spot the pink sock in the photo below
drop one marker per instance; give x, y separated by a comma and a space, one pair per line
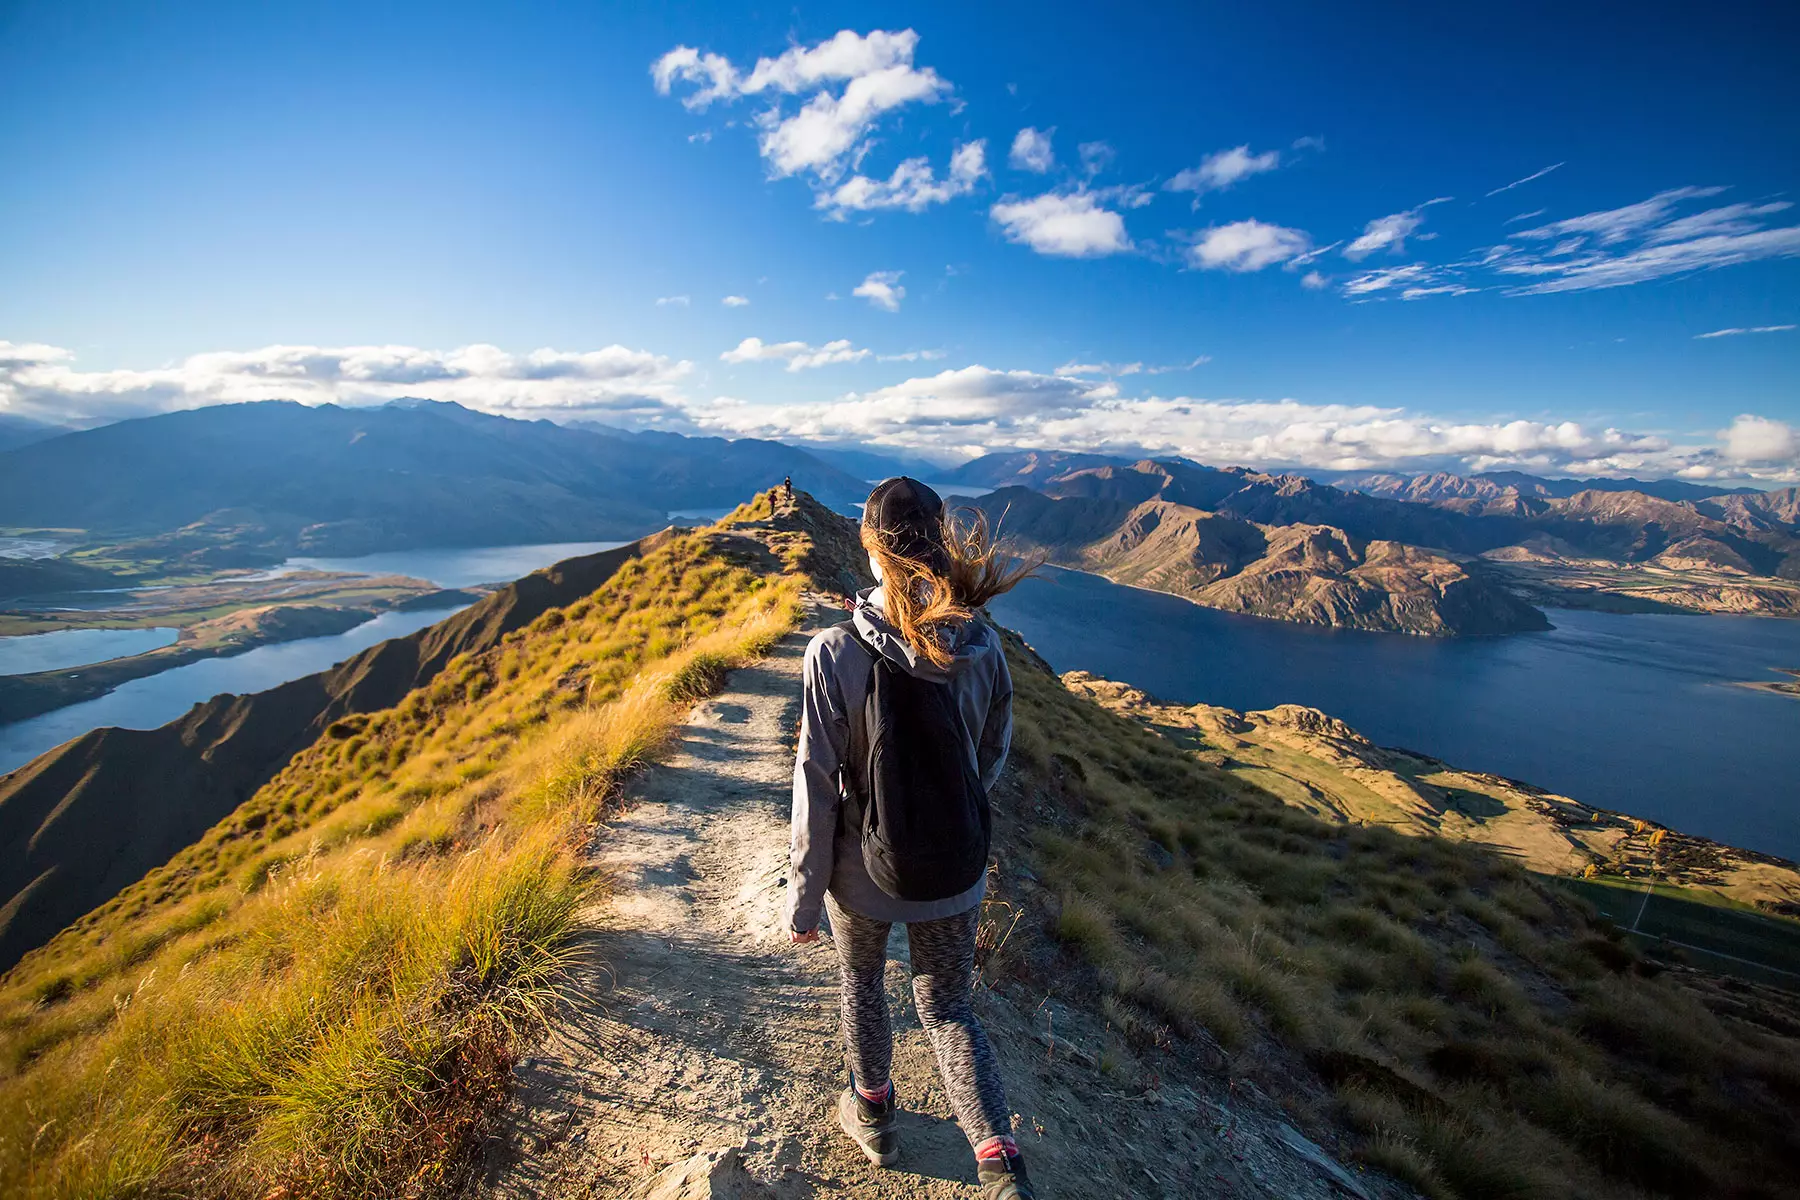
998, 1146
878, 1095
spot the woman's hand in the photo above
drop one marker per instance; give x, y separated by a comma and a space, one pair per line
797, 938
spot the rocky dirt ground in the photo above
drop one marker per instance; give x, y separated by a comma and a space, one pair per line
699, 1055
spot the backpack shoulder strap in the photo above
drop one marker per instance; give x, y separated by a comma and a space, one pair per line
848, 625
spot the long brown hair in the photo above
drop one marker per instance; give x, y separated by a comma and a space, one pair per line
924, 602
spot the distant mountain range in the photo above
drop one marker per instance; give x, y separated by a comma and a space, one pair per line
22, 431
1445, 557
1438, 487
242, 483
1231, 540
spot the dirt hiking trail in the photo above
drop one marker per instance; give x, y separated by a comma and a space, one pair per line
700, 1057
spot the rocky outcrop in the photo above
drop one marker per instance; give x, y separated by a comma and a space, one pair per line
1310, 573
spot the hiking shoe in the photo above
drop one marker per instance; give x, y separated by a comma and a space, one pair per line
1004, 1178
872, 1126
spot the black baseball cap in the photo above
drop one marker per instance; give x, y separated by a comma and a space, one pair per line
909, 517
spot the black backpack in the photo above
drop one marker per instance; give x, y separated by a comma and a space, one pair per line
914, 794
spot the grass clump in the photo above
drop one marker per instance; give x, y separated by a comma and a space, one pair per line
324, 996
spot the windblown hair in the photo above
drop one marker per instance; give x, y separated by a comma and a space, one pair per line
925, 603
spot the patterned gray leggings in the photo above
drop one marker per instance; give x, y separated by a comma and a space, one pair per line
943, 970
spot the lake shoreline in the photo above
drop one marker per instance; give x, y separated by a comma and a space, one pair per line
1638, 713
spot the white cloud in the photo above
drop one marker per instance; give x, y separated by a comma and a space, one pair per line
1095, 157
1221, 169
1066, 225
882, 289
1247, 246
1759, 440
977, 409
735, 301
1101, 368
799, 356
1618, 247
1718, 333
913, 186
851, 82
41, 381
1313, 280
1534, 175
1309, 142
1389, 232
675, 301
1525, 216
1031, 151
965, 411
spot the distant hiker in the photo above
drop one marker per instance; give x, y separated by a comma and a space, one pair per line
787, 489
905, 724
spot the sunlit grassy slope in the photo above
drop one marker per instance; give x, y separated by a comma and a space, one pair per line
325, 993
1463, 1020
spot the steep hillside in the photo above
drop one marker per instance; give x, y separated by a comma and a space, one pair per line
264, 480
322, 994
1292, 571
1317, 764
85, 820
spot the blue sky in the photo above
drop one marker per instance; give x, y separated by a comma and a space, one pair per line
210, 202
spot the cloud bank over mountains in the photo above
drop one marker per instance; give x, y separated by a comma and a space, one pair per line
957, 412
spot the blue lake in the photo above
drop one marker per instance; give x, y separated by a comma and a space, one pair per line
61, 648
1641, 713
455, 568
158, 699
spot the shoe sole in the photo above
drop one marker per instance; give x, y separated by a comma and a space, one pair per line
869, 1152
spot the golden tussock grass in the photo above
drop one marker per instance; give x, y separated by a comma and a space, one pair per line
325, 995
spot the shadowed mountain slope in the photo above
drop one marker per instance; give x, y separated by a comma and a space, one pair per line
84, 820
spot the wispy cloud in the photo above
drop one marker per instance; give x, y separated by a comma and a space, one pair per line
672, 301
1390, 232
1635, 243
1719, 333
735, 301
1221, 169
1525, 216
1534, 175
882, 289
1063, 225
799, 356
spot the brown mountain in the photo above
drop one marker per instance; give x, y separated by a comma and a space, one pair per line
1317, 574
84, 820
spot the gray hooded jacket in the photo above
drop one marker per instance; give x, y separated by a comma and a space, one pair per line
827, 858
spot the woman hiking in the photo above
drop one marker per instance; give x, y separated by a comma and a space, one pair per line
905, 723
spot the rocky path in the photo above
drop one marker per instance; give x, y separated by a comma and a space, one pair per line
700, 1057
